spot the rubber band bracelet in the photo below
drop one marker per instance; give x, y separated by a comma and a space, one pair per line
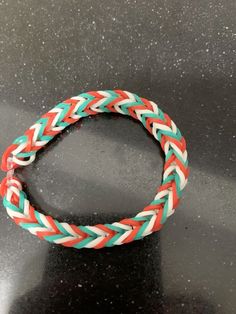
23, 151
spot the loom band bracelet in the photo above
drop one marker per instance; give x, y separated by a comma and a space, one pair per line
23, 151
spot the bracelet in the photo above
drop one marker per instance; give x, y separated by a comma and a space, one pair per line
23, 150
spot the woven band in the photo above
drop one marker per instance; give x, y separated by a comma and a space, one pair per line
23, 150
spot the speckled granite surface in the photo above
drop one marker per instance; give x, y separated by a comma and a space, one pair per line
180, 54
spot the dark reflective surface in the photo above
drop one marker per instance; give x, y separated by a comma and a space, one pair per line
178, 54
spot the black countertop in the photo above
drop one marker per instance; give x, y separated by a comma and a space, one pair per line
180, 54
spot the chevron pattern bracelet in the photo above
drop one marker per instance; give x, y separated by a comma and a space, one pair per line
23, 151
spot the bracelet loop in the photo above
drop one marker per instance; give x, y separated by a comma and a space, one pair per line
23, 151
